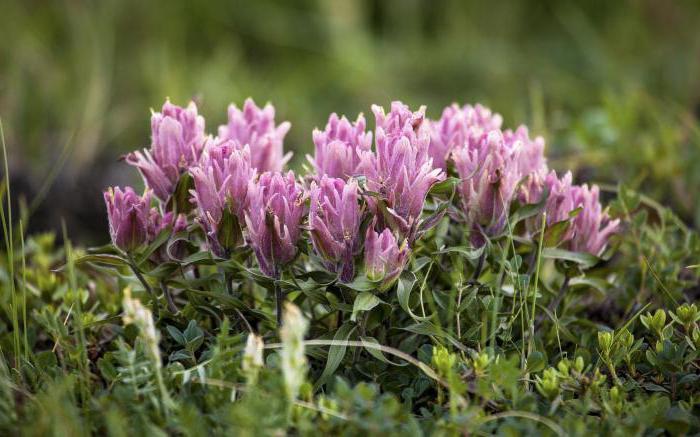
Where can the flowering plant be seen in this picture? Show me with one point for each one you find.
(367, 207)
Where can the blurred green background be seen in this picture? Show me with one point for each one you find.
(613, 86)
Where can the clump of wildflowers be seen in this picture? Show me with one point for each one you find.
(334, 222)
(385, 257)
(221, 194)
(256, 127)
(339, 148)
(177, 140)
(273, 219)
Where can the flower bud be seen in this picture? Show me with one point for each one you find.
(220, 193)
(385, 259)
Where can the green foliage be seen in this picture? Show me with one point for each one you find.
(436, 354)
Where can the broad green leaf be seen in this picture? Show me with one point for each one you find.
(336, 353)
(585, 260)
(364, 301)
(535, 362)
(360, 284)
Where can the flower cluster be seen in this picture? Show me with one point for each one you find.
(363, 206)
(256, 127)
(492, 164)
(340, 147)
(588, 226)
(132, 222)
(398, 173)
(277, 205)
(221, 193)
(177, 140)
(334, 224)
(401, 171)
(457, 127)
(385, 258)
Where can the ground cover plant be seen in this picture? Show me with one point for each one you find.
(426, 276)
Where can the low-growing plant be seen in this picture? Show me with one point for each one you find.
(428, 277)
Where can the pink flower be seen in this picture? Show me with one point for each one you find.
(559, 203)
(401, 171)
(129, 217)
(489, 173)
(589, 230)
(334, 222)
(592, 226)
(339, 147)
(385, 259)
(273, 219)
(177, 139)
(256, 128)
(221, 192)
(530, 152)
(456, 127)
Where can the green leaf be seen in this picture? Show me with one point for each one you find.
(361, 284)
(428, 328)
(599, 284)
(585, 260)
(180, 200)
(464, 251)
(364, 301)
(403, 292)
(445, 187)
(101, 259)
(336, 353)
(162, 271)
(177, 335)
(199, 258)
(160, 240)
(229, 234)
(376, 353)
(529, 210)
(535, 362)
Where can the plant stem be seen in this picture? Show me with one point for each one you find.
(479, 266)
(168, 297)
(278, 301)
(229, 284)
(149, 290)
(554, 304)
